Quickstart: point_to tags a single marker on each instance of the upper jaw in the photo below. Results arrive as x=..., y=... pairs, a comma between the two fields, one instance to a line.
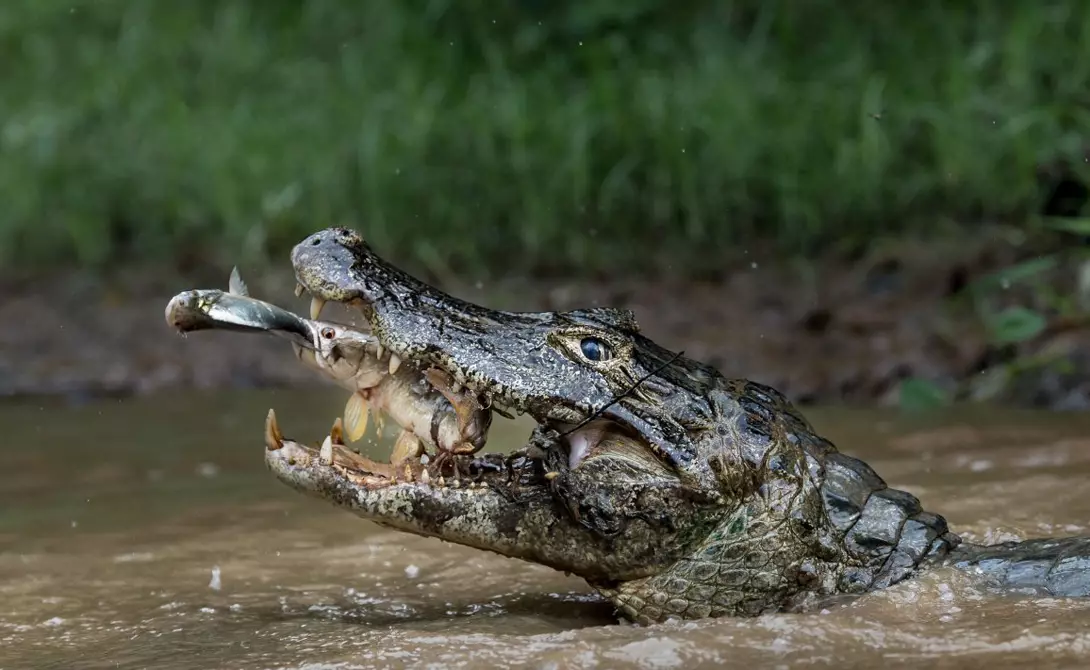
x=336, y=265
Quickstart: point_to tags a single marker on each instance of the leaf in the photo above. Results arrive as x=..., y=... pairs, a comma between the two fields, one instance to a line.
x=1016, y=324
x=1074, y=226
x=918, y=395
x=1016, y=273
x=991, y=383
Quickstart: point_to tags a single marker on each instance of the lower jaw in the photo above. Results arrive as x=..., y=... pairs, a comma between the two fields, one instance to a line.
x=467, y=471
x=510, y=513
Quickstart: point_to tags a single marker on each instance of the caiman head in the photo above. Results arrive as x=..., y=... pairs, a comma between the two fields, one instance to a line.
x=672, y=490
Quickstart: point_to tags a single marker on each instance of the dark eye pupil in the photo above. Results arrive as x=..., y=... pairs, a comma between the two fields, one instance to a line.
x=594, y=349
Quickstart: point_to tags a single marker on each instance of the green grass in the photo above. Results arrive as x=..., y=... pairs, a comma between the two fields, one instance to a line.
x=522, y=135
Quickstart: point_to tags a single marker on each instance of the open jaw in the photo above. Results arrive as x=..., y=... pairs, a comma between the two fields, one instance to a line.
x=443, y=424
x=463, y=350
x=527, y=504
x=594, y=500
x=427, y=487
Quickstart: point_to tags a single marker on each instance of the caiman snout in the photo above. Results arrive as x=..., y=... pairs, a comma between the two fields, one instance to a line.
x=324, y=263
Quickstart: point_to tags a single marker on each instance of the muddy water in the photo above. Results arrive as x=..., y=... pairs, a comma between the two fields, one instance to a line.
x=147, y=534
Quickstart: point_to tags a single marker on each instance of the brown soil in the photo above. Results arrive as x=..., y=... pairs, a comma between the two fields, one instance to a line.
x=829, y=332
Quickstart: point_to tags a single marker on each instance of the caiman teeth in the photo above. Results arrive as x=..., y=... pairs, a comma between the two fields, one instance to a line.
x=395, y=363
x=274, y=439
x=325, y=454
x=299, y=289
x=336, y=433
x=316, y=305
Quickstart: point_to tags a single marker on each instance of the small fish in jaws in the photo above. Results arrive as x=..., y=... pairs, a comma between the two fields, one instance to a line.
x=425, y=408
x=429, y=408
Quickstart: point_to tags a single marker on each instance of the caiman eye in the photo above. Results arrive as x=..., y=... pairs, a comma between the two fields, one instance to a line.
x=595, y=350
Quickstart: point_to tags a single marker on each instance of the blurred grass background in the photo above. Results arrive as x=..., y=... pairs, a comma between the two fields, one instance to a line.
x=528, y=135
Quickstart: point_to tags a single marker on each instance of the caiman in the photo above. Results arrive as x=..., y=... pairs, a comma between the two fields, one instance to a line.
x=672, y=490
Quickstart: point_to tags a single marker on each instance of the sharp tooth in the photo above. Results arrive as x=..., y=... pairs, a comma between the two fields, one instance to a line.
x=274, y=439
x=442, y=481
x=379, y=350
x=299, y=289
x=336, y=433
x=425, y=478
x=325, y=454
x=549, y=476
x=407, y=447
x=455, y=387
x=355, y=417
x=395, y=363
x=316, y=305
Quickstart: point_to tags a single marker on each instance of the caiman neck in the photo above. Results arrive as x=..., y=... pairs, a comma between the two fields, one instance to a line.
x=815, y=526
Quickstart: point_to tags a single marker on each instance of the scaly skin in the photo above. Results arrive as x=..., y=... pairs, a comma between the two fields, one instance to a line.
x=692, y=496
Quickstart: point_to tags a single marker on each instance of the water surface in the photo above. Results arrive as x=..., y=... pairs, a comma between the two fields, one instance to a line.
x=148, y=534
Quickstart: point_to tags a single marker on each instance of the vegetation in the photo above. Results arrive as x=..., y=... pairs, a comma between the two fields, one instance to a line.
x=575, y=135
x=1020, y=306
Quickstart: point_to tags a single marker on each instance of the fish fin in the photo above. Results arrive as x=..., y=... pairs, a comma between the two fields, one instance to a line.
x=235, y=285
x=355, y=417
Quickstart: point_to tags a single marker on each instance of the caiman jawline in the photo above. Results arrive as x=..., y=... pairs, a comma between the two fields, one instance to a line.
x=334, y=460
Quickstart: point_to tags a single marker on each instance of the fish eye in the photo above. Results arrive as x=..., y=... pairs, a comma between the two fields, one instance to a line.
x=328, y=333
x=595, y=350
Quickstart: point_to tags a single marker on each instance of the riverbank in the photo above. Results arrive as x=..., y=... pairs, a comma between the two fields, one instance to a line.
x=829, y=332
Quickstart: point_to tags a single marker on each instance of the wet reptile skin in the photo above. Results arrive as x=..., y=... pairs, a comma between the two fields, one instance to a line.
x=715, y=498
